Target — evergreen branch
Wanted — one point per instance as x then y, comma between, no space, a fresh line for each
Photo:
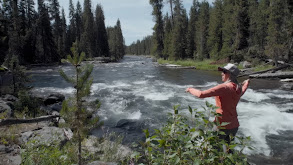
66,78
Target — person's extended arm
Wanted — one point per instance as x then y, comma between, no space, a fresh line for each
215,91
245,85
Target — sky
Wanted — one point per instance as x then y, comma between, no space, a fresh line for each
135,15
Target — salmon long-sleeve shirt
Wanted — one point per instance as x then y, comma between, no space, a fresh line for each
227,97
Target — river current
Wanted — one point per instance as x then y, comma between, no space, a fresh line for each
138,89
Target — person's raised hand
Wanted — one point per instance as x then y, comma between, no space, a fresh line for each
246,81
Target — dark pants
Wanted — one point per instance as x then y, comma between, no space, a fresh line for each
228,132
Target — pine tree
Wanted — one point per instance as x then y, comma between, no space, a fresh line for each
262,30
192,30
111,42
46,50
30,13
7,9
167,52
72,23
289,31
171,11
229,27
203,24
14,36
179,40
29,38
4,45
242,25
276,35
87,42
116,41
215,39
63,38
55,17
22,18
159,27
120,51
101,33
77,117
78,22
19,77
258,19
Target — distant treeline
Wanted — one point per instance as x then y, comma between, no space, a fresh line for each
43,36
235,29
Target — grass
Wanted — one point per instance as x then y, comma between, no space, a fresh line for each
201,65
262,67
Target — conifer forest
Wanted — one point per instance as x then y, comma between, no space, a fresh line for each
40,33
235,29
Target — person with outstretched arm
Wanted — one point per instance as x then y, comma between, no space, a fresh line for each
227,96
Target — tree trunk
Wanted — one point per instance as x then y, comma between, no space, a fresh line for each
5,122
171,7
79,149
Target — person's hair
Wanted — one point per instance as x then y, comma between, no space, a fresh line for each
234,80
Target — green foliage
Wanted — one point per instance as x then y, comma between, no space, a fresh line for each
276,31
109,148
142,47
158,27
87,42
202,33
77,117
262,67
179,32
116,42
215,41
101,33
192,30
11,135
19,78
201,65
191,140
35,154
27,104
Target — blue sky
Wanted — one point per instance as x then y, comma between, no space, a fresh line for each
135,15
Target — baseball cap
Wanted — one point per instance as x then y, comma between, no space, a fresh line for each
231,68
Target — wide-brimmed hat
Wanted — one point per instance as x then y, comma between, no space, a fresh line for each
231,68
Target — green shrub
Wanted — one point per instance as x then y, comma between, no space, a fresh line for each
11,135
35,154
27,104
191,140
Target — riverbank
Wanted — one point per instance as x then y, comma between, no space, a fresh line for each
24,134
212,65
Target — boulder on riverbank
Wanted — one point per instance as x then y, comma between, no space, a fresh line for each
7,105
54,98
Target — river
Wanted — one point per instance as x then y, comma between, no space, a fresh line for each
140,90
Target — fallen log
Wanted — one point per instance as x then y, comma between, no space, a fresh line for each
5,122
287,80
264,71
280,75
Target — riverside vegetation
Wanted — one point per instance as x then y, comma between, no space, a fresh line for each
183,140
